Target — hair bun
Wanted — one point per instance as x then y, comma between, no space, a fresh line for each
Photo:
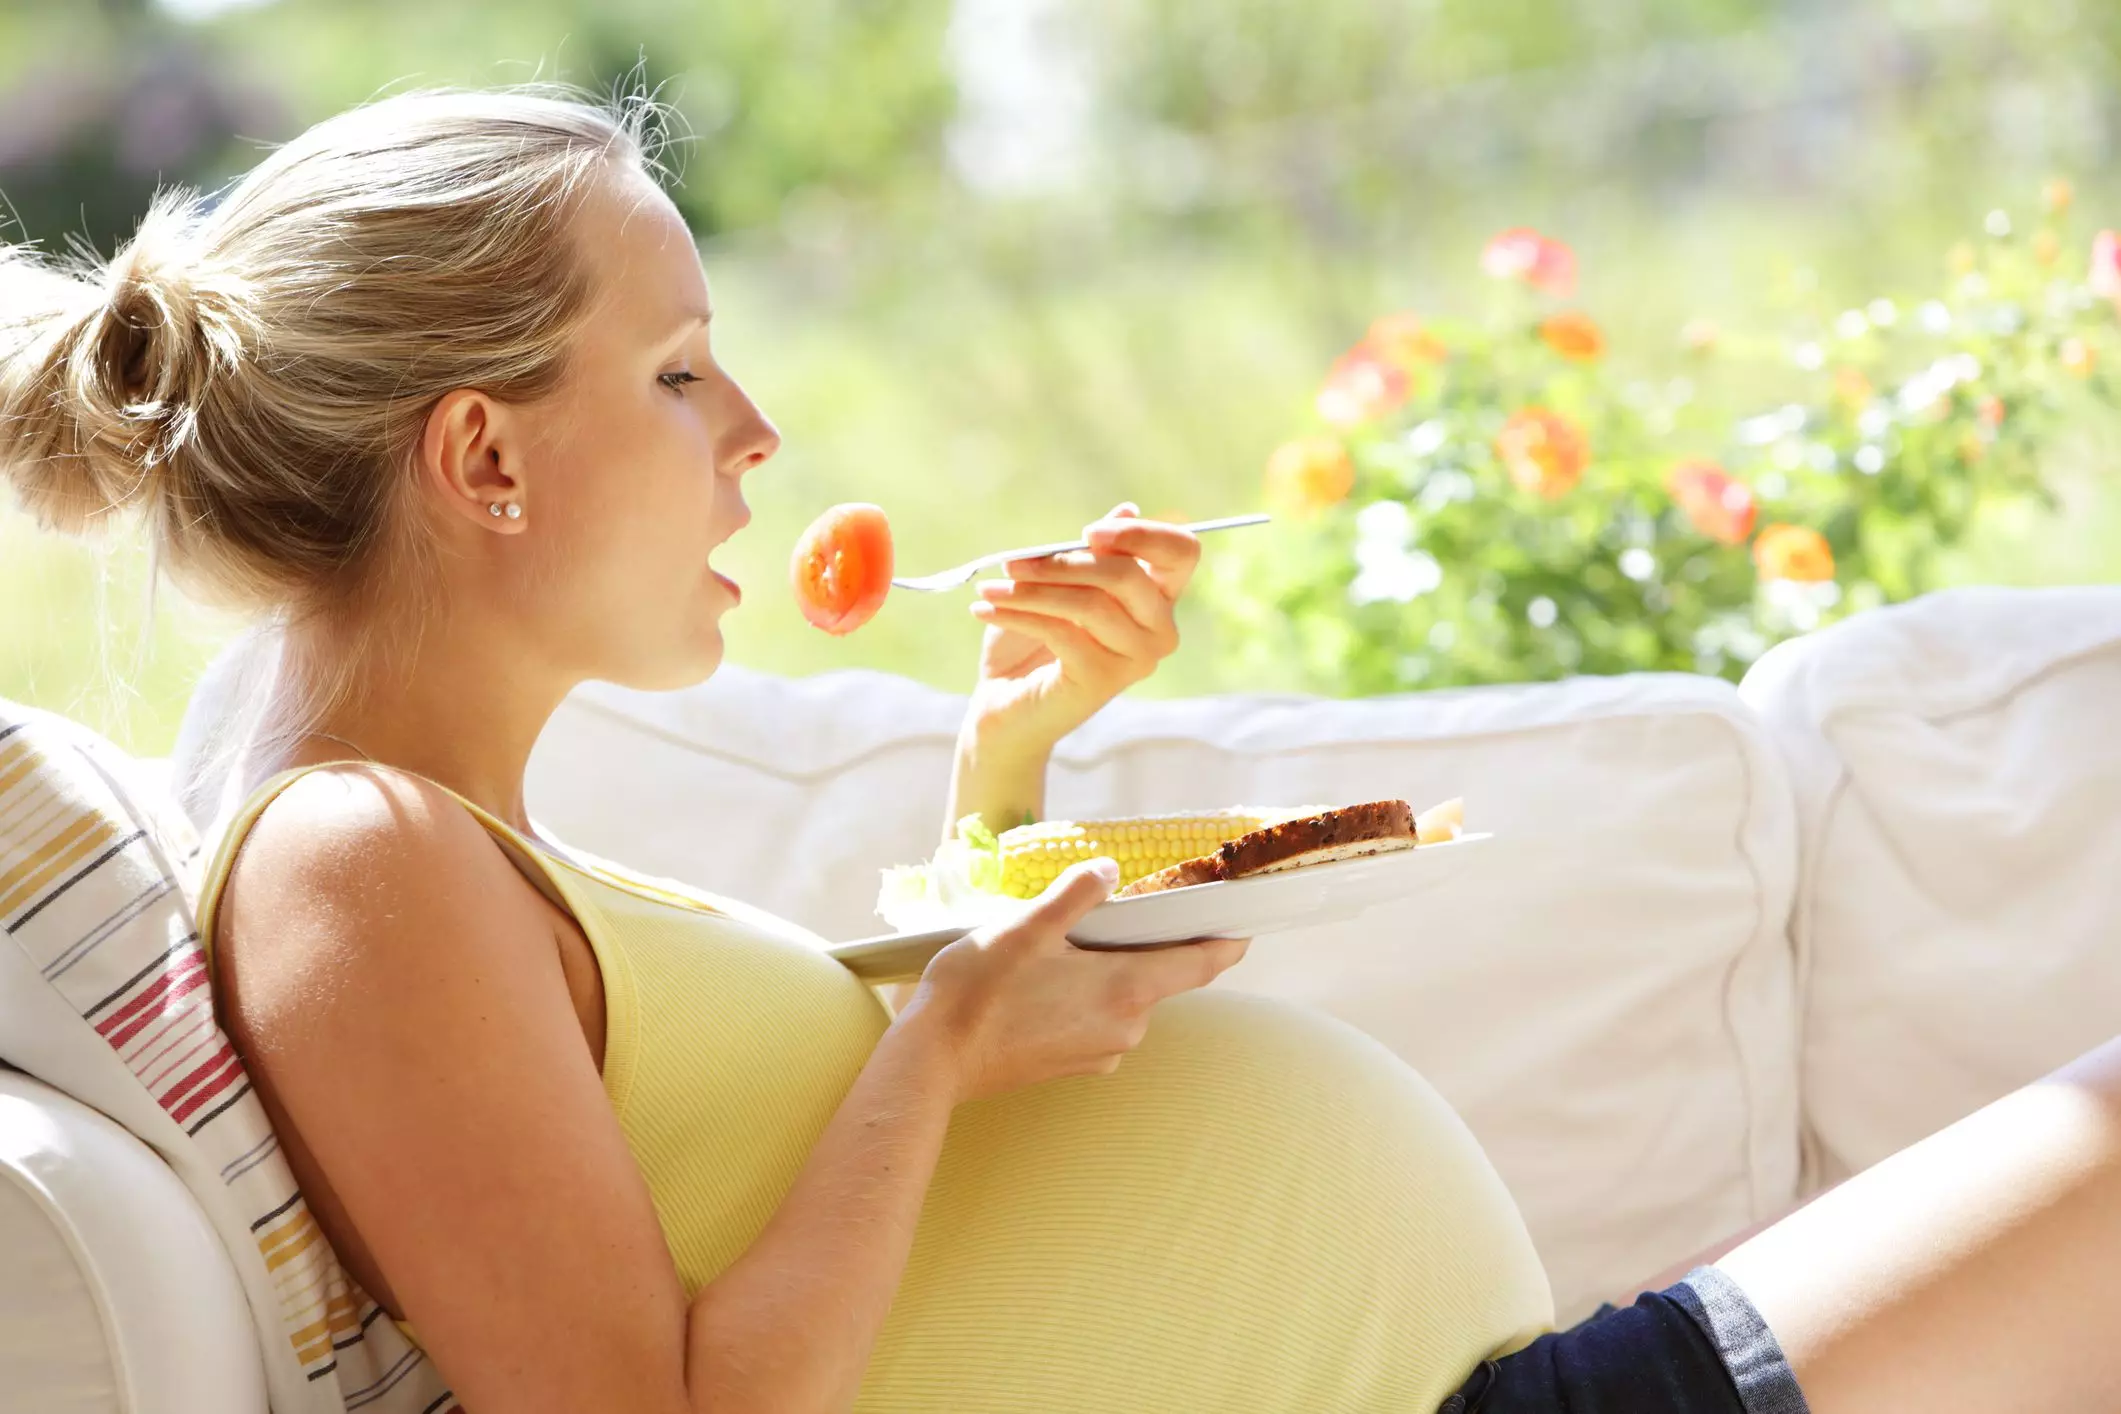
97,394
167,329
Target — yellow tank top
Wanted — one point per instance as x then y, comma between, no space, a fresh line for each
1262,1210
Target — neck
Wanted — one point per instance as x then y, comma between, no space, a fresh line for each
462,708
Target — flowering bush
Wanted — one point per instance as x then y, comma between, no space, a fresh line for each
1490,502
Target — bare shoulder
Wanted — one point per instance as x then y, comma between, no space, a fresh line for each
361,870
391,981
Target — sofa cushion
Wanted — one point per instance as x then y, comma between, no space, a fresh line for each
1603,991
116,1296
103,997
1958,779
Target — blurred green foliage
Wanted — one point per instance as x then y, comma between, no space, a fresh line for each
997,350
1495,502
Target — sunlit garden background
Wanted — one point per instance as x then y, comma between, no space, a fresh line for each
1562,337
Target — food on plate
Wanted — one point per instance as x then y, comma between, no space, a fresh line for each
1443,821
841,569
980,876
1349,832
1033,856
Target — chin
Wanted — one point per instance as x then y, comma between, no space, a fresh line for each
685,665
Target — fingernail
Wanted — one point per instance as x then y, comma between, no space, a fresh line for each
1108,869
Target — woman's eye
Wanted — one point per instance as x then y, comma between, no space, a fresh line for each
676,381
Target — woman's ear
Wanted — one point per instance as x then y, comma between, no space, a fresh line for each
466,454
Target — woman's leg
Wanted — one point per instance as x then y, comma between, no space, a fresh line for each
1979,1269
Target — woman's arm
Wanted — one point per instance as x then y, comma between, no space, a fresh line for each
1065,635
997,772
791,1323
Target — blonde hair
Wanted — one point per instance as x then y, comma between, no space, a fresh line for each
254,374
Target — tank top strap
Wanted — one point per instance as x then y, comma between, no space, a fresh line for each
529,857
534,859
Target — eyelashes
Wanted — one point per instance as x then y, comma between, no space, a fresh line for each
676,382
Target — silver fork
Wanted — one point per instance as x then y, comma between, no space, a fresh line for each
951,579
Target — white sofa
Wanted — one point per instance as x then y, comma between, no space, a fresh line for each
1726,945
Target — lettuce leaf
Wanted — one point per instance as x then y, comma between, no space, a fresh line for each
961,885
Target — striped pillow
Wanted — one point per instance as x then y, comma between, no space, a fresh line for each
103,995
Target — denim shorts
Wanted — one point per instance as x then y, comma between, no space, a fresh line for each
1696,1347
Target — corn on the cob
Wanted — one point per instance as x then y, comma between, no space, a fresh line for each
1032,855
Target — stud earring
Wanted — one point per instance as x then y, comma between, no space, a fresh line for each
513,512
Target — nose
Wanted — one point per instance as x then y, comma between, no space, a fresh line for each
752,437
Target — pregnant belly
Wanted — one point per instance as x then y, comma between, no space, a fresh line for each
1263,1209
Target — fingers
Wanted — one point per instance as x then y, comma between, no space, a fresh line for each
1170,553
1092,609
1081,887
1142,979
1121,576
1082,655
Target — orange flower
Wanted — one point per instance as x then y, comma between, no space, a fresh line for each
2105,276
1851,387
1402,339
1793,552
1971,448
1720,506
2046,248
1990,410
2079,357
2058,194
1362,386
1544,451
1521,253
1699,336
1573,336
1309,474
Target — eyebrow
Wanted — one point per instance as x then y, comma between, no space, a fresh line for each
691,315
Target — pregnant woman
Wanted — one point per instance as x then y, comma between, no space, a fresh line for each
432,391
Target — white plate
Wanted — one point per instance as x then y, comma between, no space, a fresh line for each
1238,908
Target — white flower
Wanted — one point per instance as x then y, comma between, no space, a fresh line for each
1852,324
1427,437
1638,564
1759,431
1808,356
1799,603
1395,574
1998,223
1870,459
1384,523
1936,319
1883,312
1541,612
1441,488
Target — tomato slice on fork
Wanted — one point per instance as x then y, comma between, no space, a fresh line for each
841,569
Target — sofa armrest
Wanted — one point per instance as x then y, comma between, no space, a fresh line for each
116,1294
